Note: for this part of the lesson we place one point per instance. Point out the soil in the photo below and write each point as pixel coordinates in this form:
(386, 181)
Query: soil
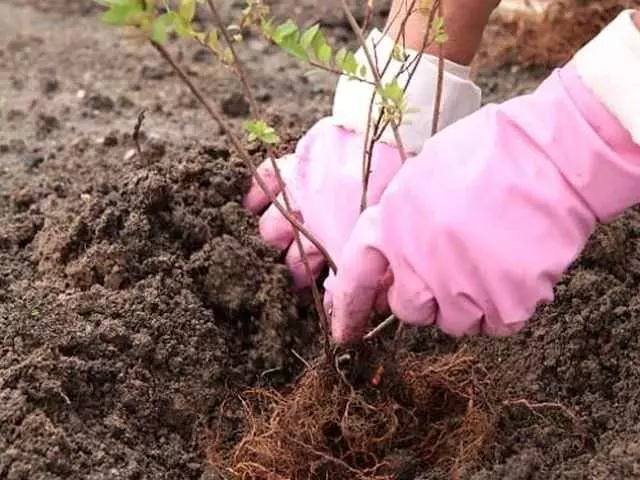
(136, 296)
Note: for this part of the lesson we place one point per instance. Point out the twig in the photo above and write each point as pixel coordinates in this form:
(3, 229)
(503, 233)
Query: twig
(337, 72)
(239, 66)
(367, 15)
(381, 326)
(436, 105)
(376, 75)
(370, 141)
(241, 151)
(324, 322)
(136, 130)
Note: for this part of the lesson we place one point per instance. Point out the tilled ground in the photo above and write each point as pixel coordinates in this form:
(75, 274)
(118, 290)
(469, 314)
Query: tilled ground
(135, 294)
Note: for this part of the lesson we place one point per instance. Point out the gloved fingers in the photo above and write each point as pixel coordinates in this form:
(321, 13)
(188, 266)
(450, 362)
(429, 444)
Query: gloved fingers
(256, 199)
(295, 263)
(275, 229)
(413, 307)
(357, 285)
(381, 304)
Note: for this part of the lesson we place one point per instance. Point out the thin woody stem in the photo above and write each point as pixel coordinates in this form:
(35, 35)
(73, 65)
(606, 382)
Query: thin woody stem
(242, 152)
(436, 105)
(435, 119)
(372, 138)
(324, 322)
(376, 75)
(236, 59)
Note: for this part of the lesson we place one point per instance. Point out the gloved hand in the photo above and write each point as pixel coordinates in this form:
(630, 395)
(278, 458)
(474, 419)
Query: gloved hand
(476, 229)
(324, 176)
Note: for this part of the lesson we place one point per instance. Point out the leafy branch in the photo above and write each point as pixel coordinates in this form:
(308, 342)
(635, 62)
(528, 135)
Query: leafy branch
(310, 46)
(143, 16)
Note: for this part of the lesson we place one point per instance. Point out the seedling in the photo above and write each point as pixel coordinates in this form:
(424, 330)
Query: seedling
(348, 411)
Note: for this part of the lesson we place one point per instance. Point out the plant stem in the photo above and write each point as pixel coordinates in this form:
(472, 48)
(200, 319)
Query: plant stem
(241, 151)
(338, 72)
(436, 106)
(376, 75)
(239, 66)
(372, 138)
(381, 326)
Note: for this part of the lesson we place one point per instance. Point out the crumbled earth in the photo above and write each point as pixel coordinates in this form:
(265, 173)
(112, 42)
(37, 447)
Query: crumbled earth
(136, 296)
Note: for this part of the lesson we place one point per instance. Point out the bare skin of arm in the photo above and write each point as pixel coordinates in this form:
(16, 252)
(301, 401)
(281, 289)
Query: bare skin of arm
(464, 20)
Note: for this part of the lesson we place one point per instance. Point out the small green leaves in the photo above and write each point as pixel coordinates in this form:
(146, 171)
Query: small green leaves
(287, 36)
(347, 64)
(439, 36)
(187, 9)
(393, 101)
(259, 130)
(144, 16)
(123, 12)
(311, 46)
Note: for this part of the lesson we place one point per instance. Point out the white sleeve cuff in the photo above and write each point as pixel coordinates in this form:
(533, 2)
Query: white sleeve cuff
(460, 96)
(609, 65)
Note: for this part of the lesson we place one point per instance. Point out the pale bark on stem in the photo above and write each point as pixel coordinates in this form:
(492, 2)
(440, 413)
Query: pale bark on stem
(240, 150)
(434, 128)
(238, 65)
(372, 138)
(436, 106)
(369, 142)
(376, 75)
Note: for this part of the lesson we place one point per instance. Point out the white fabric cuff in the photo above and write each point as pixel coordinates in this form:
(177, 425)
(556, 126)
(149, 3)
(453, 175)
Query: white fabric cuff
(609, 65)
(460, 96)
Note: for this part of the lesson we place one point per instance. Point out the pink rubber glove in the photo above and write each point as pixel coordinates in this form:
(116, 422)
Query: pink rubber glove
(324, 176)
(477, 228)
(324, 184)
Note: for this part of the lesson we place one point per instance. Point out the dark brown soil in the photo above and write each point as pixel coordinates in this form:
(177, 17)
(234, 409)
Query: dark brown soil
(136, 296)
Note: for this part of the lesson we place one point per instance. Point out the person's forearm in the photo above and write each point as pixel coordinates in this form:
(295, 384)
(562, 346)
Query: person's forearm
(464, 22)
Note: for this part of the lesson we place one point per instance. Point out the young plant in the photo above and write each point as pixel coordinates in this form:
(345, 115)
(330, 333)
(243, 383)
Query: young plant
(157, 21)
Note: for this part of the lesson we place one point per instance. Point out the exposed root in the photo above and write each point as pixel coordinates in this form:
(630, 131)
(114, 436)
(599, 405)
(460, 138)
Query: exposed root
(368, 425)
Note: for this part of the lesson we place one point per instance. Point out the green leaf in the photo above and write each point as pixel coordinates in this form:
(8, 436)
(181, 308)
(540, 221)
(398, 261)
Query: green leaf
(187, 9)
(212, 40)
(393, 92)
(339, 58)
(350, 65)
(120, 14)
(440, 36)
(323, 54)
(309, 35)
(260, 130)
(160, 29)
(285, 30)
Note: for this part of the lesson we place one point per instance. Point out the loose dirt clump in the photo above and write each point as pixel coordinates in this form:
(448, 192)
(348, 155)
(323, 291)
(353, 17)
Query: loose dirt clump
(138, 303)
(549, 39)
(150, 296)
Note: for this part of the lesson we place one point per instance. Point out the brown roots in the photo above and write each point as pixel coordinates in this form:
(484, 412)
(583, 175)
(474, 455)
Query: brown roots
(427, 412)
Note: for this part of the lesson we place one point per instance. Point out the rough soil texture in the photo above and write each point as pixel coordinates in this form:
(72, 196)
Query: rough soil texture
(136, 296)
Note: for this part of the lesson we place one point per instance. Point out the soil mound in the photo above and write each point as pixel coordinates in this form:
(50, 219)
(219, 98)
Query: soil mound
(149, 297)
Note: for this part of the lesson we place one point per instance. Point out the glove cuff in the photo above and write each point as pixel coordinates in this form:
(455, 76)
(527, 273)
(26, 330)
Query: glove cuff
(460, 96)
(609, 65)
